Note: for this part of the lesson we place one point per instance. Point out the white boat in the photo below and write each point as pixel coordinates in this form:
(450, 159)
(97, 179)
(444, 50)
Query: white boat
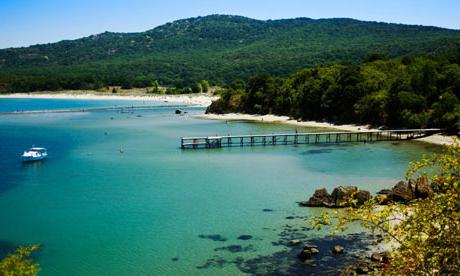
(34, 154)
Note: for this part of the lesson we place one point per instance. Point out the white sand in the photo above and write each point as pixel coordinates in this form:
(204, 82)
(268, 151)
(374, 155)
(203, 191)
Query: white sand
(194, 99)
(434, 139)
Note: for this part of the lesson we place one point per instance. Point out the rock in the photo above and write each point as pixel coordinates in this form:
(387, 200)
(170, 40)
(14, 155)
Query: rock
(348, 271)
(178, 111)
(314, 251)
(402, 192)
(294, 242)
(342, 194)
(362, 268)
(245, 237)
(310, 246)
(362, 196)
(376, 257)
(338, 249)
(422, 187)
(384, 192)
(304, 255)
(321, 198)
(382, 199)
(308, 251)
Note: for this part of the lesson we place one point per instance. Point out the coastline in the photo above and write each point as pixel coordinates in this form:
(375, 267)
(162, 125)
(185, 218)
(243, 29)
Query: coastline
(201, 99)
(433, 139)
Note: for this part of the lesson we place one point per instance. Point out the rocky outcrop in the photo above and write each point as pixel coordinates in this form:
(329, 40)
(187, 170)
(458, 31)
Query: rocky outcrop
(341, 197)
(321, 198)
(343, 194)
(402, 192)
(423, 187)
(405, 191)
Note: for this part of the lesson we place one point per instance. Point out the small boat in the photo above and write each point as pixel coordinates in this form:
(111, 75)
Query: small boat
(34, 154)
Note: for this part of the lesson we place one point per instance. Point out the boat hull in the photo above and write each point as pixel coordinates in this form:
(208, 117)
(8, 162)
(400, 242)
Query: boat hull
(33, 158)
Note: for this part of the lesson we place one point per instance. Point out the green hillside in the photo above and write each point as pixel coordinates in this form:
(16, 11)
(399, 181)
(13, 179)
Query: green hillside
(218, 48)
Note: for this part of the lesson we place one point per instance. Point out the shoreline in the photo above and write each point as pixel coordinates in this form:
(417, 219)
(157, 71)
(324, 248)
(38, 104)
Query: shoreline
(202, 100)
(436, 139)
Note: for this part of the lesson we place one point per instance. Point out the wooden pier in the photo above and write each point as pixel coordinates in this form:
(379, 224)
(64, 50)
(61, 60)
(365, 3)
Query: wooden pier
(298, 138)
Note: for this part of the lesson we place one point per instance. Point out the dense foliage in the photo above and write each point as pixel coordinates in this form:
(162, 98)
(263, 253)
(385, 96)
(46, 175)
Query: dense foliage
(217, 48)
(425, 233)
(19, 263)
(404, 92)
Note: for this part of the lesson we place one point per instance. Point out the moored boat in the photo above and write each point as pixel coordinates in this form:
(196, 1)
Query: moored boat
(34, 154)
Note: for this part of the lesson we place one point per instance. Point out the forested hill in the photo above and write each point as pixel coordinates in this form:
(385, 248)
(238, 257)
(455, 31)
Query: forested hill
(218, 48)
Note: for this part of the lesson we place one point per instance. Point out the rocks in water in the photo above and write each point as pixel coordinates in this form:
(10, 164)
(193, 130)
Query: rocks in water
(308, 251)
(365, 266)
(338, 249)
(402, 192)
(214, 237)
(314, 251)
(376, 257)
(362, 267)
(362, 196)
(342, 194)
(178, 111)
(245, 237)
(381, 257)
(321, 198)
(294, 242)
(340, 197)
(304, 255)
(422, 187)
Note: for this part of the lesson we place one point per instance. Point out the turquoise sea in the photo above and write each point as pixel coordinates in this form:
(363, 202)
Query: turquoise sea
(154, 209)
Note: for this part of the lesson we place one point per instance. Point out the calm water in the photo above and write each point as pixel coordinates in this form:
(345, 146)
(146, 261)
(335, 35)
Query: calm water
(155, 209)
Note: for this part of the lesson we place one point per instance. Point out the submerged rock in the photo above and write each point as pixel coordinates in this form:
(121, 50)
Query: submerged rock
(338, 249)
(245, 237)
(294, 242)
(304, 255)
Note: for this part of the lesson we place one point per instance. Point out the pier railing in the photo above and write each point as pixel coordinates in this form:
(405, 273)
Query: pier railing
(304, 138)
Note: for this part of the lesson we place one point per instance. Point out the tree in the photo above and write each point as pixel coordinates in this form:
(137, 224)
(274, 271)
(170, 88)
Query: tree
(19, 263)
(425, 233)
(205, 86)
(197, 88)
(156, 87)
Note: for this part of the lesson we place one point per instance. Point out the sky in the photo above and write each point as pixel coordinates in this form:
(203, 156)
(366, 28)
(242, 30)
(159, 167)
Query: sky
(28, 22)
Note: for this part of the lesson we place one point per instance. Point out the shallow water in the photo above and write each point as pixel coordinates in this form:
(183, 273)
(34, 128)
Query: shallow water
(155, 209)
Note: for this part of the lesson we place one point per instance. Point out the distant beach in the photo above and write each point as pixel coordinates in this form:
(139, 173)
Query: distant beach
(193, 99)
(434, 139)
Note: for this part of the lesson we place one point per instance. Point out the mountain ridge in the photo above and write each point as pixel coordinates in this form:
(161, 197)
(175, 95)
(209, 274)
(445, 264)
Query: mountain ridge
(220, 48)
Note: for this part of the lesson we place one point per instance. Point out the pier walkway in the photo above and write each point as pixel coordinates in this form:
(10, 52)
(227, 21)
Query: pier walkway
(297, 138)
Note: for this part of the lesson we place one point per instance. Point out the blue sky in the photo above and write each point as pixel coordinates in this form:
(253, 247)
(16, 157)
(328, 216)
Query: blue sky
(26, 22)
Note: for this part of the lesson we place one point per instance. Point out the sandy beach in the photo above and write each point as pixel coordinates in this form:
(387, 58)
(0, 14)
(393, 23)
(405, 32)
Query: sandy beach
(434, 139)
(193, 99)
